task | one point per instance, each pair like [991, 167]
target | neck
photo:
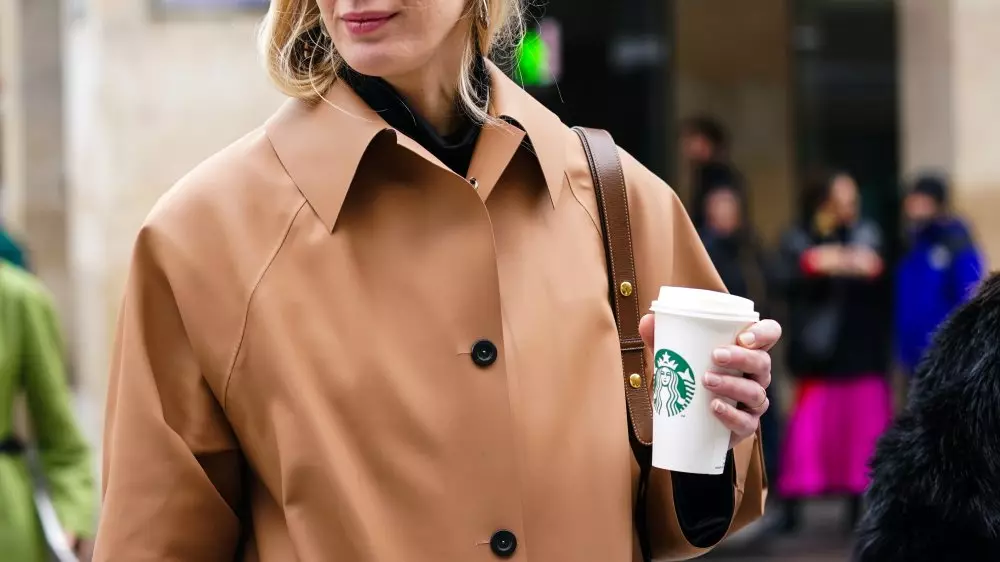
[430, 97]
[432, 90]
[927, 225]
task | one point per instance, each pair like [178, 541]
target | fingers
[742, 424]
[762, 335]
[646, 330]
[738, 389]
[755, 363]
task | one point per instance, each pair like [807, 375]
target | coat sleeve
[676, 530]
[63, 452]
[171, 462]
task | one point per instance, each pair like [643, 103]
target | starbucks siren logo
[674, 386]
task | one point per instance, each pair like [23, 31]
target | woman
[728, 236]
[739, 258]
[31, 364]
[378, 328]
[831, 270]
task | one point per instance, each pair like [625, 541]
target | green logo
[673, 388]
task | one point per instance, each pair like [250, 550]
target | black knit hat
[709, 128]
[933, 187]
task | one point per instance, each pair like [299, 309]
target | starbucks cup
[690, 324]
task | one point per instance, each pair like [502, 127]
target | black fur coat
[935, 492]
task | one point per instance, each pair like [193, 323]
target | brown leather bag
[612, 204]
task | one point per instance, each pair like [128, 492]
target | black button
[503, 543]
[484, 353]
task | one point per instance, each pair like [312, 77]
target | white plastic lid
[704, 304]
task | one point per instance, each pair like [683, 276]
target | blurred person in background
[10, 250]
[729, 238]
[704, 149]
[378, 328]
[830, 266]
[935, 490]
[703, 140]
[939, 271]
[31, 364]
[738, 256]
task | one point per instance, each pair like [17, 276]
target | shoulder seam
[576, 197]
[253, 292]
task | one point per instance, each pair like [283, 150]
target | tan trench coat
[324, 298]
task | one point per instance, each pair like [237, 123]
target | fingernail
[712, 379]
[722, 356]
[747, 339]
[719, 407]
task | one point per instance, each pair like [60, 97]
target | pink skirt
[831, 435]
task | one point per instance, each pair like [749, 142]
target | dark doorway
[615, 73]
[846, 96]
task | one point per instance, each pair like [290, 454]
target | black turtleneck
[455, 149]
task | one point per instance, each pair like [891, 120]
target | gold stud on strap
[635, 380]
[625, 289]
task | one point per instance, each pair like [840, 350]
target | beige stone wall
[147, 100]
[926, 96]
[733, 62]
[976, 87]
[950, 114]
[34, 195]
[976, 90]
[980, 204]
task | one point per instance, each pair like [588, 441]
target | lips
[360, 23]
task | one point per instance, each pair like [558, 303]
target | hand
[85, 550]
[71, 540]
[831, 259]
[748, 388]
[865, 262]
[82, 548]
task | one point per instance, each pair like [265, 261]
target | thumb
[646, 329]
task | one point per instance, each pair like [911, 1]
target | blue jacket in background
[938, 273]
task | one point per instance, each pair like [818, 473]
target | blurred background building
[106, 103]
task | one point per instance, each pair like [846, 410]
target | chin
[378, 60]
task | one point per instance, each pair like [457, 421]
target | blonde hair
[303, 63]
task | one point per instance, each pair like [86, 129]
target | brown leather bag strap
[612, 204]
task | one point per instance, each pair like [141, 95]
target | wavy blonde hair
[303, 62]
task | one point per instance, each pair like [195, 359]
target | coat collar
[321, 145]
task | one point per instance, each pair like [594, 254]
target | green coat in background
[31, 362]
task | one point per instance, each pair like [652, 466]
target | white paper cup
[690, 324]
